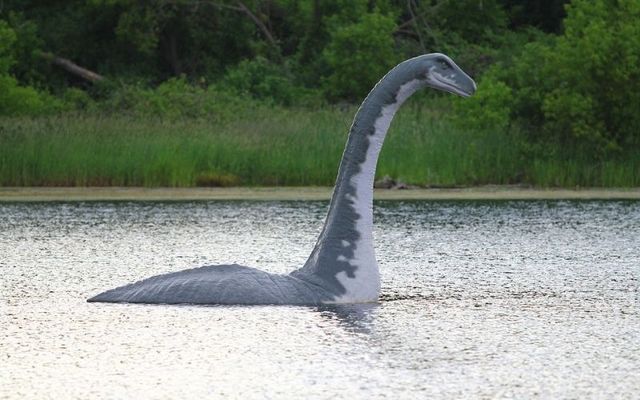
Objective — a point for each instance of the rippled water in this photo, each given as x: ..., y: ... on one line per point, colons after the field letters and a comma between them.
x: 479, y: 300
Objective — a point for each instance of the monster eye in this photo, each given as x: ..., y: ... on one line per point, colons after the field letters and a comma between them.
x: 444, y: 64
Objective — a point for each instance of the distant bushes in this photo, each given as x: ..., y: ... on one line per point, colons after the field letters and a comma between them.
x: 16, y: 99
x: 581, y: 88
x: 173, y: 99
x: 488, y: 109
x: 19, y: 100
x: 358, y: 55
x: 263, y: 80
x: 575, y: 86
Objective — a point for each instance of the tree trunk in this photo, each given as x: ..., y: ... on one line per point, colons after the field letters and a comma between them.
x: 72, y: 67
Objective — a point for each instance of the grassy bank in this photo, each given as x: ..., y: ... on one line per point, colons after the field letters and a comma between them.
x: 273, y: 146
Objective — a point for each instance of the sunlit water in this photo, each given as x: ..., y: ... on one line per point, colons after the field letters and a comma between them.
x: 479, y: 300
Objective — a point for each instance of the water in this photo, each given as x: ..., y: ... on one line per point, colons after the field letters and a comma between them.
x: 479, y: 300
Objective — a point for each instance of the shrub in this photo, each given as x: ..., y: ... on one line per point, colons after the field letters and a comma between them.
x: 18, y: 100
x: 359, y: 54
x: 15, y: 99
x: 261, y: 79
x: 489, y: 108
x: 584, y: 86
x: 597, y: 93
x: 174, y: 99
x: 77, y: 99
x: 7, y: 40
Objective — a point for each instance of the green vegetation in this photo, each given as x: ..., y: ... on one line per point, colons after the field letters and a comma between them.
x: 278, y: 146
x: 583, y: 87
x: 261, y: 92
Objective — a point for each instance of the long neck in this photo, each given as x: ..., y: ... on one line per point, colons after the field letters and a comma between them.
x: 343, y: 259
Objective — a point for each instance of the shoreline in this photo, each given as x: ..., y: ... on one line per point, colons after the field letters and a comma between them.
x: 73, y: 194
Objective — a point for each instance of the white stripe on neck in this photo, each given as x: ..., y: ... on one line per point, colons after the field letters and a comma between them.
x: 365, y: 286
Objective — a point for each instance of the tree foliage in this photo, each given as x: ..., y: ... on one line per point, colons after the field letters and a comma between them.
x: 15, y: 99
x: 358, y: 54
x: 560, y: 71
x: 7, y: 40
x: 584, y: 85
x: 152, y: 40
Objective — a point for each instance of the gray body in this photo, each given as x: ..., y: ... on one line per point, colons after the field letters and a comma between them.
x: 342, y: 266
x: 218, y: 284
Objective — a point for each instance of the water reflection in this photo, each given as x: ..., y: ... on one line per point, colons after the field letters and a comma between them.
x: 355, y: 318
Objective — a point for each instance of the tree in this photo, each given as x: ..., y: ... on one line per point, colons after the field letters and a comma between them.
x: 7, y: 40
x: 359, y: 55
x: 583, y: 86
x: 15, y: 99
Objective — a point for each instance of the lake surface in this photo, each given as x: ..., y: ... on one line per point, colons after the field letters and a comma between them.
x: 479, y: 300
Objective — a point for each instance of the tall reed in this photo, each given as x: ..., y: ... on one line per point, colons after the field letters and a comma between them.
x: 275, y: 146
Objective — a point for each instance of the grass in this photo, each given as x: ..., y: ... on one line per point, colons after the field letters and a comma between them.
x: 275, y: 146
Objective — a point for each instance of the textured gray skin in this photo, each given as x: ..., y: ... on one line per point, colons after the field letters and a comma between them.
x: 317, y: 281
x: 217, y: 284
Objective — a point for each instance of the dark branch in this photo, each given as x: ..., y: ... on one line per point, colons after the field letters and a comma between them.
x: 259, y: 24
x: 242, y: 8
x: 72, y: 67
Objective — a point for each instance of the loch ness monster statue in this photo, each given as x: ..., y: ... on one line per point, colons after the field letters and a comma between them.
x: 342, y: 267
